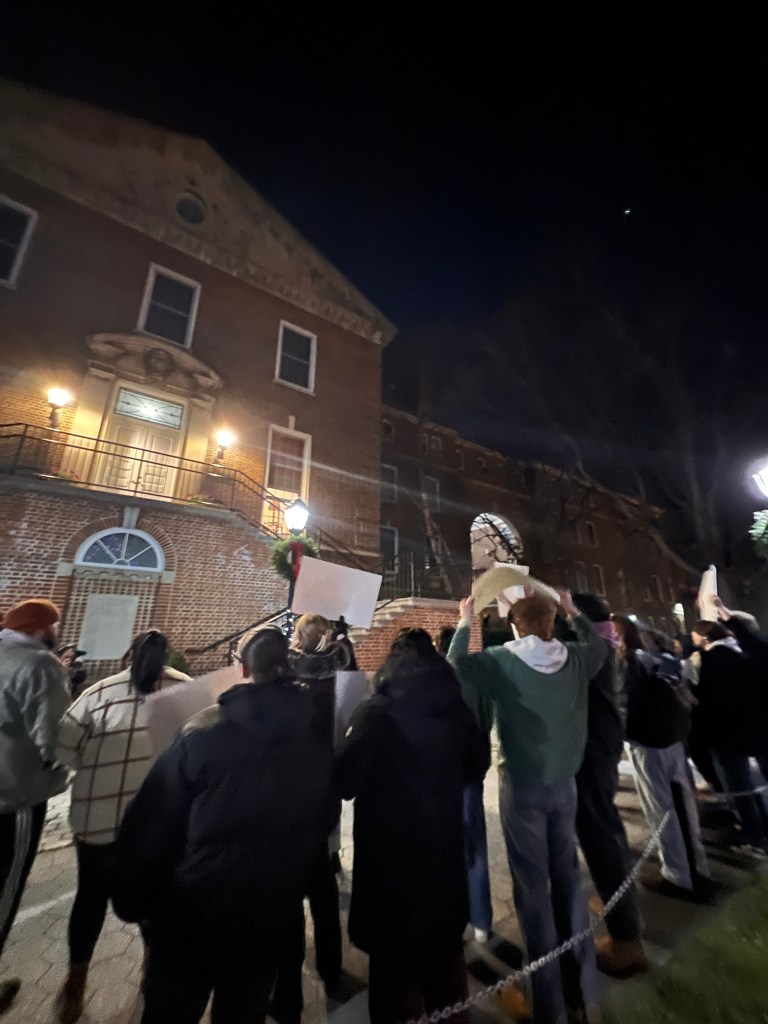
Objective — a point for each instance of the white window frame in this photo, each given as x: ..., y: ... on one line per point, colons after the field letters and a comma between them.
x: 435, y: 444
x: 154, y: 269
x: 274, y: 429
x: 394, y: 485
x: 582, y: 579
x: 436, y: 482
x: 21, y: 252
x: 593, y: 542
x: 151, y: 542
x: 600, y: 578
x: 310, y: 390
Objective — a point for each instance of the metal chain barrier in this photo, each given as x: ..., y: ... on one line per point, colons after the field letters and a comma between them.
x: 575, y: 940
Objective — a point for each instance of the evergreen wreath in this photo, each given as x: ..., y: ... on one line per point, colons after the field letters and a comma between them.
x: 281, y: 554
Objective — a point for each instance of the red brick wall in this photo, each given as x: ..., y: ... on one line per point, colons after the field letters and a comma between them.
x: 628, y: 557
x: 85, y: 274
x: 223, y: 577
x: 372, y: 649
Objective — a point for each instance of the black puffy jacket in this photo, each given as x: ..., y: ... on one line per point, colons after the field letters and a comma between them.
x: 223, y: 831
x: 408, y: 753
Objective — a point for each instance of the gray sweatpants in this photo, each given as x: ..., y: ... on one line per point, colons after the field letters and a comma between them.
x: 656, y: 772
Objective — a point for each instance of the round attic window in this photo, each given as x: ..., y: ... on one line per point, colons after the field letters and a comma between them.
x: 191, y: 208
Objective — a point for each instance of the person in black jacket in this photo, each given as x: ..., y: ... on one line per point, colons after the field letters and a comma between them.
x: 658, y: 719
x: 216, y: 849
x: 598, y: 824
x: 407, y: 755
x: 728, y: 721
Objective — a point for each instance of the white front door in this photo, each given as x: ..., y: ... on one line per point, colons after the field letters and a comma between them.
x: 146, y: 464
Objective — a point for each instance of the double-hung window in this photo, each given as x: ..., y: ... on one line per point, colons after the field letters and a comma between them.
x: 170, y: 306
x: 296, y: 352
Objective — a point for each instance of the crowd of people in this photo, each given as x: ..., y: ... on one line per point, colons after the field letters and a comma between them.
x: 212, y: 845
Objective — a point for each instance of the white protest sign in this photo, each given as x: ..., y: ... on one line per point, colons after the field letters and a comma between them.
x: 107, y: 628
x: 707, y: 592
x: 333, y: 590
x: 507, y: 598
x: 496, y: 581
x: 172, y: 707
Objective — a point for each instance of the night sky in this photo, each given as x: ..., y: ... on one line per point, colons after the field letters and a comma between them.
x: 441, y: 164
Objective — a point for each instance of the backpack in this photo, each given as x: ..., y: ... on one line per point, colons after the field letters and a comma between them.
x: 659, y: 701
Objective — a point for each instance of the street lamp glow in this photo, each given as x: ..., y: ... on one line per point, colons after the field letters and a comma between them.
x: 296, y: 515
x: 761, y: 480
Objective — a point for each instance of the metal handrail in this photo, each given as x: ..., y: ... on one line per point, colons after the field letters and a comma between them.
x: 112, y: 466
x: 230, y: 638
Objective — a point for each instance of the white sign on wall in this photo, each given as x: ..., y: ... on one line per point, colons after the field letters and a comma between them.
x: 332, y: 590
x: 108, y: 625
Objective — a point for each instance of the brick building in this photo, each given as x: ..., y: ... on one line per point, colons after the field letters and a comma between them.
x: 451, y: 508
x: 157, y: 299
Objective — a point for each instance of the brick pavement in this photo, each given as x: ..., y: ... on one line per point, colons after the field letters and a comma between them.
x: 37, y: 949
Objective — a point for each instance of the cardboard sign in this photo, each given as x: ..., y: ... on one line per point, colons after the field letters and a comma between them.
x: 708, y: 591
x: 331, y: 590
x: 501, y: 578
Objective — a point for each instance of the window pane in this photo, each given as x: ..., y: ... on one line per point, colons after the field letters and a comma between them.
x: 388, y: 483
x: 13, y: 224
x: 388, y: 543
x: 96, y: 555
x: 295, y: 344
x: 294, y: 371
x: 146, y: 559
x: 7, y: 259
x: 295, y: 358
x: 172, y: 294
x: 286, y: 463
x: 167, y: 324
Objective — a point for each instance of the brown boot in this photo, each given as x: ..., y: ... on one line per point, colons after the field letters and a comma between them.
x: 516, y: 1004
x: 72, y: 994
x: 620, y: 959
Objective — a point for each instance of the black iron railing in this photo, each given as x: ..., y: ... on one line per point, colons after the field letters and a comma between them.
x: 96, y: 464
x: 407, y: 575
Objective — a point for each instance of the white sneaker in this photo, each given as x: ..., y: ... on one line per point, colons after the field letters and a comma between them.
x: 481, y: 935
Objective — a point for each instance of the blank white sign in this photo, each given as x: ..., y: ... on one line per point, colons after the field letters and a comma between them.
x: 332, y: 590
x: 107, y: 628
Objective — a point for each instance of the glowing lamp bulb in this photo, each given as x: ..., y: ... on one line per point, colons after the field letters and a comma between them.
x: 59, y: 397
x: 225, y: 439
x: 296, y: 515
x: 761, y: 479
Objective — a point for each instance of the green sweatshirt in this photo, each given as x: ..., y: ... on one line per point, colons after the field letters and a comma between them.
x: 541, y: 717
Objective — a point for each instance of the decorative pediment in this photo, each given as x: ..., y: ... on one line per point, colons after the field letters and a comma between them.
x: 150, y: 361
x: 179, y: 191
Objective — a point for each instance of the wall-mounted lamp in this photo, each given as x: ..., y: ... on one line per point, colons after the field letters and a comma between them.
x: 57, y: 399
x: 224, y: 439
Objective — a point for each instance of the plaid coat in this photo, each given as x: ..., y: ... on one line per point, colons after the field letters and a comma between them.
x: 104, y: 738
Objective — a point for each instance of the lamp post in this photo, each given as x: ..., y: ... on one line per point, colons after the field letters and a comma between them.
x: 57, y: 399
x: 296, y: 515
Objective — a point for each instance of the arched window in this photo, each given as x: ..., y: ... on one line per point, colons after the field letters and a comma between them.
x: 494, y: 539
x: 121, y: 549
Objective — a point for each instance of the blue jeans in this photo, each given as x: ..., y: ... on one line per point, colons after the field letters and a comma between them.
x: 539, y: 825
x: 476, y: 857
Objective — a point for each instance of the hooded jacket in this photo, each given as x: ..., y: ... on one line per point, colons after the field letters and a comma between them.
x: 318, y: 671
x: 539, y: 690
x: 223, y: 831
x: 33, y: 697
x: 728, y: 718
x: 407, y: 755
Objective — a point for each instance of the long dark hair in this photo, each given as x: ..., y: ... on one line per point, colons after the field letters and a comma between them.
x: 629, y: 633
x: 147, y: 656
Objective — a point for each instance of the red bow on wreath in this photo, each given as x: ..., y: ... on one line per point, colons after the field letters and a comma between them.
x: 297, y: 553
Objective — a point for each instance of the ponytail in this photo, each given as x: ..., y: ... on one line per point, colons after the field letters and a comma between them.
x: 147, y: 657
